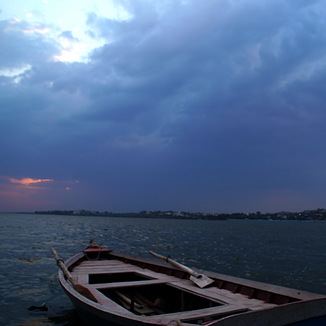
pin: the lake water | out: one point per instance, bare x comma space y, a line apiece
280, 252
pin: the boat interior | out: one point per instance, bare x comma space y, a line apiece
144, 289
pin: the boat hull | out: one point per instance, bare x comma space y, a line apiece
256, 304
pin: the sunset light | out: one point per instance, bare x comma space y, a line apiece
28, 181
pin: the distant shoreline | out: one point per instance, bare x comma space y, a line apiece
317, 214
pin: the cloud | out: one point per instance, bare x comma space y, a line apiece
26, 44
68, 35
29, 194
200, 104
28, 181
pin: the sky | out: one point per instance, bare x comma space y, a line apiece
185, 105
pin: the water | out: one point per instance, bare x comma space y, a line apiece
285, 253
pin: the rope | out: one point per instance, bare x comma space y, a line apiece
60, 260
97, 258
93, 245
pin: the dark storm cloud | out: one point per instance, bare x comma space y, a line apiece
214, 105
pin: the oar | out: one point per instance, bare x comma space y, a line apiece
78, 287
199, 279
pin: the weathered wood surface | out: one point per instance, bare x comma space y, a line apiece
199, 279
280, 315
243, 310
225, 297
117, 285
78, 287
206, 312
116, 267
108, 303
107, 262
293, 293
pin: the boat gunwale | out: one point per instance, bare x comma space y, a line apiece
284, 315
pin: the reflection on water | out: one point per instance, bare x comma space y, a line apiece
285, 253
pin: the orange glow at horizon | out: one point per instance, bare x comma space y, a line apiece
28, 181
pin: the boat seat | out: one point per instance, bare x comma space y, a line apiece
114, 285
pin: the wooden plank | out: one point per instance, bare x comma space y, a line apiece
107, 267
81, 278
252, 304
102, 263
116, 308
108, 303
125, 284
134, 306
95, 269
224, 296
201, 313
104, 266
116, 270
206, 293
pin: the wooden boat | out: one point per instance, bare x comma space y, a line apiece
112, 288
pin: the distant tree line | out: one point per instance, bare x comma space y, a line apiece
317, 214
